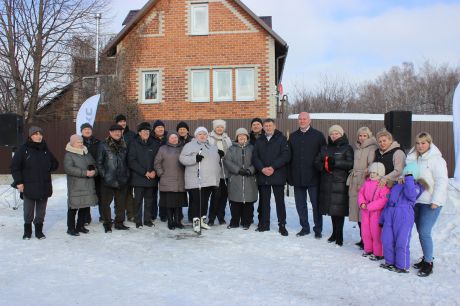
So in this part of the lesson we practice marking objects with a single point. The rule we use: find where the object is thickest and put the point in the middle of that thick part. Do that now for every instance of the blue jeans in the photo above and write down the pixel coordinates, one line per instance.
(425, 218)
(300, 195)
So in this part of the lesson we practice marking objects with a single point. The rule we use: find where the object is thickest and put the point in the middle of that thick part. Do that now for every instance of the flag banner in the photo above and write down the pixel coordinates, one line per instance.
(87, 112)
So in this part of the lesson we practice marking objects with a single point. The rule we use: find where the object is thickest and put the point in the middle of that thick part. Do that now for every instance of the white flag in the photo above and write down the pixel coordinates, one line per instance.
(456, 123)
(87, 112)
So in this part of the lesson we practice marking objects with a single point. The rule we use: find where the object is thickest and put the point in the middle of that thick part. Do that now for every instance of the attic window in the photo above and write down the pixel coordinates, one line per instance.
(199, 21)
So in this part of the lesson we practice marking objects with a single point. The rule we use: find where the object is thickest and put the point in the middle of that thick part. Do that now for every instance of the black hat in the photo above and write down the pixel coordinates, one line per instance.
(85, 125)
(144, 126)
(158, 123)
(119, 118)
(116, 127)
(182, 124)
(256, 120)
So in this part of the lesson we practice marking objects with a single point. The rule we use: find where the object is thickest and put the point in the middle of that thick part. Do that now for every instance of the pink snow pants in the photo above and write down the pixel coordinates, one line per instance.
(371, 232)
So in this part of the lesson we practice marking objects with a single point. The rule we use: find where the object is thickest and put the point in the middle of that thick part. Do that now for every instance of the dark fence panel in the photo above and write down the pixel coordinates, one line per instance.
(57, 134)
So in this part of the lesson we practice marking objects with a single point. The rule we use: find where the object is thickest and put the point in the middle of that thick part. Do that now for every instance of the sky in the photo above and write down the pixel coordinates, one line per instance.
(349, 40)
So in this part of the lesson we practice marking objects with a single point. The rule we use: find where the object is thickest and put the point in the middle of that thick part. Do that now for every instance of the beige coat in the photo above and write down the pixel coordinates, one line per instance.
(364, 156)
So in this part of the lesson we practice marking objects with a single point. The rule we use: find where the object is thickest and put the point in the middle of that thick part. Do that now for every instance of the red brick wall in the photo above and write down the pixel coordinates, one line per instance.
(176, 51)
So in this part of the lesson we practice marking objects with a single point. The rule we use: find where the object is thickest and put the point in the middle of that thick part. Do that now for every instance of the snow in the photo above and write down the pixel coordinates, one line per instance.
(156, 266)
(372, 117)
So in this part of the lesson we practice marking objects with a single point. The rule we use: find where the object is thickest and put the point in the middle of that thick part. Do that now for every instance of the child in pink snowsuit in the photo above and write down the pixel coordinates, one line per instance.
(371, 200)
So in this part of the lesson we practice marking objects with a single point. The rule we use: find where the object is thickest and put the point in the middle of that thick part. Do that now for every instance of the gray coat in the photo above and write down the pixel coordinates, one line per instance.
(169, 169)
(210, 168)
(238, 157)
(214, 139)
(81, 191)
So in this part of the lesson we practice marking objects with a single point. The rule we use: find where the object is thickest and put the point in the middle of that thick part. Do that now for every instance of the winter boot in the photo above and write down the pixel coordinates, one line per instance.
(339, 238)
(203, 224)
(121, 226)
(73, 232)
(39, 231)
(375, 258)
(27, 231)
(107, 227)
(178, 217)
(332, 238)
(196, 225)
(419, 264)
(81, 227)
(426, 269)
(171, 224)
(282, 230)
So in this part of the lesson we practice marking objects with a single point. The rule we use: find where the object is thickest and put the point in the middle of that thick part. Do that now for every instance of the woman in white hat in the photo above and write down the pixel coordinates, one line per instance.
(202, 174)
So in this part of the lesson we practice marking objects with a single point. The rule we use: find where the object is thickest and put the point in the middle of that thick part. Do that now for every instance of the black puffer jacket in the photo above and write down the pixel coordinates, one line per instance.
(333, 191)
(271, 153)
(140, 160)
(32, 166)
(112, 163)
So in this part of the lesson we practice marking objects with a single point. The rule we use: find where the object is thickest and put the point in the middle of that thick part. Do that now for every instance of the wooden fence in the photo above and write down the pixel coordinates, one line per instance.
(57, 134)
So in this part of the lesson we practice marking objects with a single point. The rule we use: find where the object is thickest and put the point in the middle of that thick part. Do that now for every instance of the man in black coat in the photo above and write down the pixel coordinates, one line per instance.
(92, 144)
(113, 168)
(31, 170)
(128, 136)
(159, 136)
(305, 144)
(141, 154)
(270, 158)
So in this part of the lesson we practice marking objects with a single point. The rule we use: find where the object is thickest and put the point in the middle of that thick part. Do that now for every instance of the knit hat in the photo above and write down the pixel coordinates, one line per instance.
(116, 127)
(35, 129)
(336, 128)
(144, 126)
(200, 129)
(119, 118)
(85, 125)
(241, 131)
(256, 120)
(219, 122)
(158, 123)
(182, 124)
(74, 138)
(411, 168)
(378, 168)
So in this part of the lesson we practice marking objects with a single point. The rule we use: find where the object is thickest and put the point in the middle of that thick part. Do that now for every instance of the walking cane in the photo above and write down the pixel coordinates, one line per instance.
(199, 189)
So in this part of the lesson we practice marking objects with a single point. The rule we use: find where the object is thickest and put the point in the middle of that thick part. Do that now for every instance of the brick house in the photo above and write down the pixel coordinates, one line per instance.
(190, 59)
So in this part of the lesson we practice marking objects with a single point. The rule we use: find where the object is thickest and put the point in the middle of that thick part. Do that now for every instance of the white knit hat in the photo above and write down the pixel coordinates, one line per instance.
(336, 128)
(378, 168)
(200, 129)
(219, 122)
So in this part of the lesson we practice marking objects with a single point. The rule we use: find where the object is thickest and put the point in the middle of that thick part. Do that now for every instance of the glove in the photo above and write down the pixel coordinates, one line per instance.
(242, 172)
(221, 153)
(248, 172)
(199, 158)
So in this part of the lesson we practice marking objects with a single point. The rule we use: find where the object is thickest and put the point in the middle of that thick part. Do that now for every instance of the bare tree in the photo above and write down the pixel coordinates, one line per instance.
(34, 46)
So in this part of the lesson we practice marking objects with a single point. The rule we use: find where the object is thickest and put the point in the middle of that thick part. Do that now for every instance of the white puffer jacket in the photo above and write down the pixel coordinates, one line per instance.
(433, 169)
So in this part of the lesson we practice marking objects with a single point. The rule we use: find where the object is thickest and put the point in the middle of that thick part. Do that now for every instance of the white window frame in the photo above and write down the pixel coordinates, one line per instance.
(143, 74)
(245, 98)
(193, 8)
(216, 73)
(193, 97)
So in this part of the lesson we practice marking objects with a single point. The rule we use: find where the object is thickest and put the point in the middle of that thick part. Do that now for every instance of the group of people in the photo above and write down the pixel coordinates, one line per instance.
(373, 183)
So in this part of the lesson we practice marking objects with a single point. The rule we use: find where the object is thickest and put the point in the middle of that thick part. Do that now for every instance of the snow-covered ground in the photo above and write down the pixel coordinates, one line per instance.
(156, 266)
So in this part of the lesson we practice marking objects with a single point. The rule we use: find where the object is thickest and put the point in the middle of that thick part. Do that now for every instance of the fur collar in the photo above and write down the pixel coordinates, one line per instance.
(71, 149)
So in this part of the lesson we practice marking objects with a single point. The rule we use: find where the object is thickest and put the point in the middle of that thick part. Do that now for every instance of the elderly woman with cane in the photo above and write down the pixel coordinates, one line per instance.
(202, 174)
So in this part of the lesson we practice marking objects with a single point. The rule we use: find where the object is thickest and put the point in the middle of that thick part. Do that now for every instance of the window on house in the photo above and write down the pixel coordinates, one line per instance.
(199, 22)
(150, 80)
(222, 84)
(245, 84)
(200, 85)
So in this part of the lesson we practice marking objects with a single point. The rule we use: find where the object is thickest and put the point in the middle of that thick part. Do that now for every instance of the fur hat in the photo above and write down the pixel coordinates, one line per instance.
(119, 118)
(200, 129)
(411, 168)
(35, 129)
(219, 122)
(157, 123)
(116, 127)
(336, 128)
(85, 125)
(74, 138)
(241, 131)
(256, 120)
(378, 168)
(143, 126)
(182, 124)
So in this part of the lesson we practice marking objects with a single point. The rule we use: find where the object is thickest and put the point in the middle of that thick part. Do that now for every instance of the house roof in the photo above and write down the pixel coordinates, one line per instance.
(135, 16)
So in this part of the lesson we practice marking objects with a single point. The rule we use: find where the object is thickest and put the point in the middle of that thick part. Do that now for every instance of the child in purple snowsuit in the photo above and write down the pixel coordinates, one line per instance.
(398, 219)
